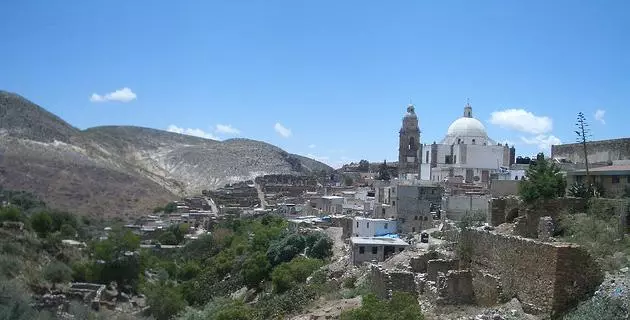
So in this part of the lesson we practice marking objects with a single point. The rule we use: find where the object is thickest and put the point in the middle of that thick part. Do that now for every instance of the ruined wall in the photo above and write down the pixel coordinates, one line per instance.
(545, 277)
(506, 209)
(440, 266)
(344, 223)
(455, 287)
(419, 263)
(385, 282)
(503, 188)
(457, 206)
(598, 151)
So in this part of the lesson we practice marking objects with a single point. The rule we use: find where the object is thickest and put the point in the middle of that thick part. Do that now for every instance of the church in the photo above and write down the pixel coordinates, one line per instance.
(465, 154)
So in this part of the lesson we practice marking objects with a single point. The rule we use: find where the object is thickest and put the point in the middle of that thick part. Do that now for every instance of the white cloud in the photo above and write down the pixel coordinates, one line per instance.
(226, 129)
(599, 115)
(318, 158)
(521, 120)
(544, 142)
(121, 95)
(311, 146)
(282, 130)
(191, 132)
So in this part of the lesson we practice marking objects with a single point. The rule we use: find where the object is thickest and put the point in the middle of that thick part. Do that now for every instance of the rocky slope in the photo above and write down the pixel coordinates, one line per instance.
(122, 170)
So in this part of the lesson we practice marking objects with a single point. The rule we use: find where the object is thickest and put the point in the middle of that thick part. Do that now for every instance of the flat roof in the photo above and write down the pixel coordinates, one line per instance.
(378, 241)
(607, 170)
(374, 219)
(332, 197)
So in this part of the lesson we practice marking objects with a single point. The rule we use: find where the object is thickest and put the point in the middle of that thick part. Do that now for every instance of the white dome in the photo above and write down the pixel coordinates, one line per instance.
(467, 127)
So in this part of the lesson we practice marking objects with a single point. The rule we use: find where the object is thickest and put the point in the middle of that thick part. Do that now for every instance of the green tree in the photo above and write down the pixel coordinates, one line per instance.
(319, 246)
(170, 207)
(255, 269)
(348, 181)
(289, 274)
(543, 181)
(165, 300)
(167, 238)
(42, 223)
(11, 213)
(57, 272)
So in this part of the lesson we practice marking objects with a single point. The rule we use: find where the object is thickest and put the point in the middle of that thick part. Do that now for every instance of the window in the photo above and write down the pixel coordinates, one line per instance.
(455, 159)
(385, 226)
(515, 177)
(473, 141)
(432, 191)
(374, 250)
(412, 143)
(415, 218)
(361, 250)
(383, 210)
(413, 229)
(368, 224)
(357, 224)
(578, 179)
(426, 218)
(615, 179)
(393, 203)
(427, 157)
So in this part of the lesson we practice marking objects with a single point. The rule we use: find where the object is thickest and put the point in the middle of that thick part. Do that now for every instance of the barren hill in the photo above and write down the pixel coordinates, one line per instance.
(119, 169)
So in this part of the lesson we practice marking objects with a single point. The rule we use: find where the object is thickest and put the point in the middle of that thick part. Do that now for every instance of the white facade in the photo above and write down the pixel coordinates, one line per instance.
(367, 227)
(465, 151)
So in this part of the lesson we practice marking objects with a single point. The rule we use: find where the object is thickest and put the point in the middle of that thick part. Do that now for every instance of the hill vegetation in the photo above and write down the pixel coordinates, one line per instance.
(120, 170)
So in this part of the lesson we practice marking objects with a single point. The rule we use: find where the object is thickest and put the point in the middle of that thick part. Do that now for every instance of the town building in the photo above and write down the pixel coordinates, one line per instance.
(368, 249)
(369, 227)
(409, 202)
(599, 152)
(615, 179)
(466, 151)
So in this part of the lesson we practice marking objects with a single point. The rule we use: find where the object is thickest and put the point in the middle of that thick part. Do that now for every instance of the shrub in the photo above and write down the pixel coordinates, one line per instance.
(11, 213)
(165, 300)
(400, 306)
(321, 248)
(349, 282)
(167, 238)
(287, 275)
(57, 272)
(255, 269)
(42, 223)
(10, 266)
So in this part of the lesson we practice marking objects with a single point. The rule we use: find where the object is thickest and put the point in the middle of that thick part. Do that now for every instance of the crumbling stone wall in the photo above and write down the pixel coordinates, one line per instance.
(384, 282)
(487, 289)
(345, 223)
(455, 287)
(419, 263)
(506, 209)
(546, 277)
(440, 266)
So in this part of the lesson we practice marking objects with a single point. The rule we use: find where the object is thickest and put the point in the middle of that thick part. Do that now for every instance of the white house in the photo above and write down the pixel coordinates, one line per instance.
(367, 227)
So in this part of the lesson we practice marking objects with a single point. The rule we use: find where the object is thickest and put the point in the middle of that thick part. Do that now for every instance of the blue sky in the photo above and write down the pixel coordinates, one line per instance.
(330, 79)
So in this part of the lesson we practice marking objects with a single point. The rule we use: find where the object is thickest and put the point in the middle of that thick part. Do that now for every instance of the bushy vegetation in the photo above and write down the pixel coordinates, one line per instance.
(543, 181)
(599, 233)
(194, 282)
(400, 306)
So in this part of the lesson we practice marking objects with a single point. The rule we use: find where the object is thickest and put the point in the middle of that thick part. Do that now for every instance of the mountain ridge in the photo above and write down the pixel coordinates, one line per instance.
(123, 169)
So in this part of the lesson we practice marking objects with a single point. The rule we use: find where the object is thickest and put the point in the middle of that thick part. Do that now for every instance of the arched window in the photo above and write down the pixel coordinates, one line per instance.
(473, 141)
(515, 177)
(412, 143)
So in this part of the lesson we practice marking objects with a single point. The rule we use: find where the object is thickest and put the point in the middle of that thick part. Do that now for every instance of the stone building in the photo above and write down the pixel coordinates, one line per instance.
(409, 145)
(367, 249)
(409, 202)
(599, 152)
(615, 179)
(466, 152)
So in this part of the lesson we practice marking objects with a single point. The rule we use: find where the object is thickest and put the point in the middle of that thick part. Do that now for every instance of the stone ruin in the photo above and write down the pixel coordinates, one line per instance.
(547, 278)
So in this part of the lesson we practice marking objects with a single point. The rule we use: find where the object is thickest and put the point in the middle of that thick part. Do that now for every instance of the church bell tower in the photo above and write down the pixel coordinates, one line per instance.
(409, 145)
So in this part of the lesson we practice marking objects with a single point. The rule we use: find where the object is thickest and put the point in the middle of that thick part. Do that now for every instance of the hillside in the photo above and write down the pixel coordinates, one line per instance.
(114, 170)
